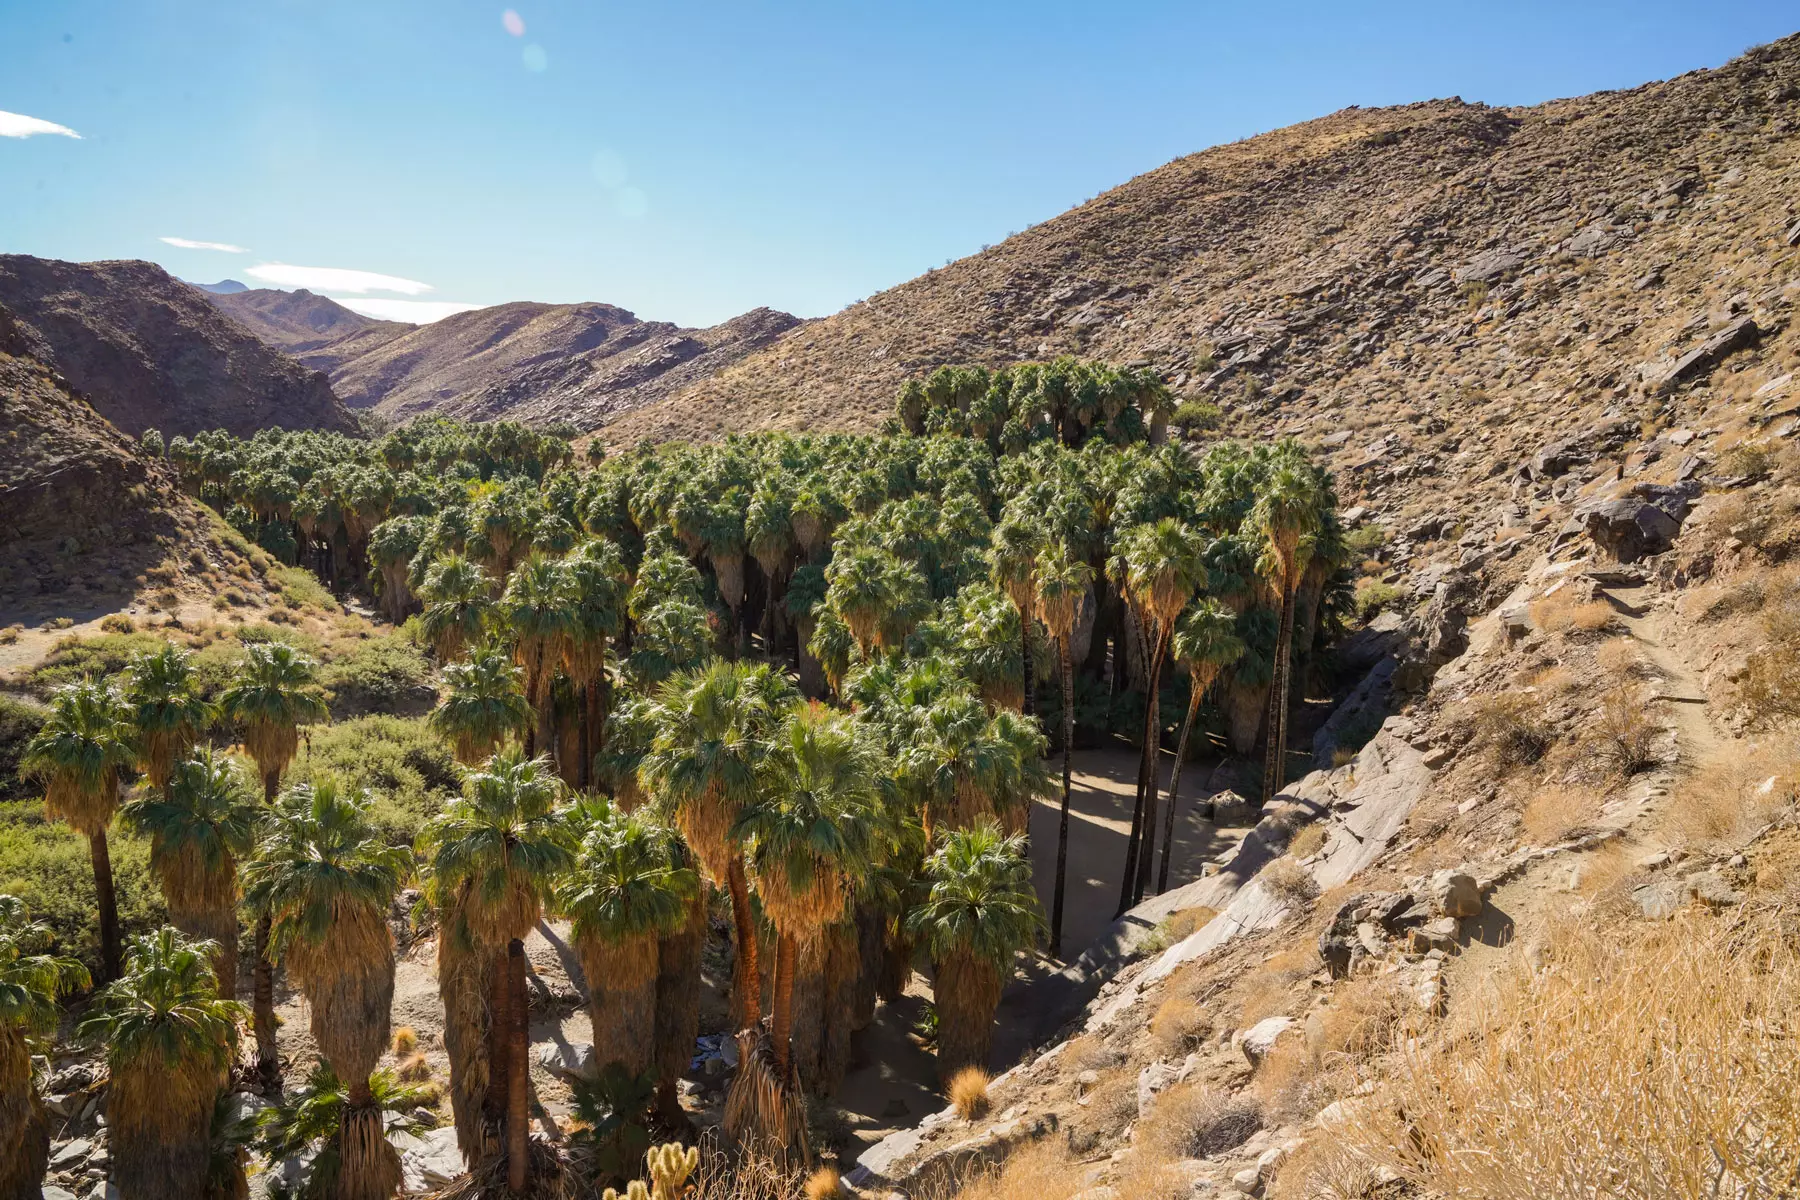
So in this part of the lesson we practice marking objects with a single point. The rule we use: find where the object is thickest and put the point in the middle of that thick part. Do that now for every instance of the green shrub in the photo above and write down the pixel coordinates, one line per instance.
(1365, 540)
(76, 658)
(19, 720)
(299, 586)
(406, 766)
(1372, 595)
(45, 864)
(1197, 416)
(384, 674)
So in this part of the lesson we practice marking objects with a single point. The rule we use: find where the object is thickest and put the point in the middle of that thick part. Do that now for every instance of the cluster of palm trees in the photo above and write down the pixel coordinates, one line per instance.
(801, 671)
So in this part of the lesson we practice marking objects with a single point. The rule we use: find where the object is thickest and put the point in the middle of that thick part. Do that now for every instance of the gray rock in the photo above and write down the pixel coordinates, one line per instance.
(69, 1154)
(1456, 894)
(52, 1192)
(1438, 934)
(429, 1161)
(570, 1061)
(1489, 265)
(1153, 1080)
(1629, 529)
(1229, 808)
(1257, 1041)
(1660, 899)
(1597, 239)
(1712, 889)
(1700, 361)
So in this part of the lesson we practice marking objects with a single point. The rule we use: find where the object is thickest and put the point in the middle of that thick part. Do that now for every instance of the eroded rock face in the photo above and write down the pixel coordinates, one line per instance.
(1628, 529)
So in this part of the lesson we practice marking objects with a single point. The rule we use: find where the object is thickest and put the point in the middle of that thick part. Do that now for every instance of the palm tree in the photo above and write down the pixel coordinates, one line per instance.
(458, 598)
(537, 611)
(596, 575)
(979, 912)
(627, 891)
(84, 745)
(273, 694)
(954, 761)
(30, 982)
(1289, 509)
(495, 856)
(1062, 585)
(482, 705)
(308, 1124)
(713, 728)
(170, 1041)
(1158, 567)
(169, 715)
(809, 831)
(200, 827)
(327, 881)
(1012, 562)
(1205, 642)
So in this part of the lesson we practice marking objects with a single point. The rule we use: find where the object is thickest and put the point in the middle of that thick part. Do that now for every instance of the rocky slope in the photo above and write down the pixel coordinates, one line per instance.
(149, 352)
(317, 330)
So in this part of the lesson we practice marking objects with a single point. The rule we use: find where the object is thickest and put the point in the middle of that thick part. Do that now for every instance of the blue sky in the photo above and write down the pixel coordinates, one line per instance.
(691, 160)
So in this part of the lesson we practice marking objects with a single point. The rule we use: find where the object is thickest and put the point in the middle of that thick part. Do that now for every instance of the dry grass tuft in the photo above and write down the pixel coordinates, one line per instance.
(406, 1040)
(1308, 842)
(1323, 1169)
(823, 1184)
(1511, 727)
(1289, 882)
(1654, 1063)
(1620, 658)
(1563, 613)
(1720, 805)
(1266, 992)
(1181, 1023)
(1622, 741)
(1043, 1171)
(413, 1068)
(1197, 1121)
(1555, 812)
(968, 1093)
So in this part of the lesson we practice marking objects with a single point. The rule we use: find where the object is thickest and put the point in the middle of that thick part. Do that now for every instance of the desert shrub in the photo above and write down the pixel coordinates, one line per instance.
(1770, 688)
(1553, 813)
(10, 635)
(1308, 842)
(299, 586)
(1289, 882)
(19, 721)
(1623, 739)
(1110, 1107)
(1372, 596)
(406, 766)
(1197, 416)
(1727, 799)
(1268, 990)
(1043, 1171)
(45, 864)
(1563, 613)
(1620, 658)
(968, 1093)
(1650, 1060)
(382, 674)
(76, 658)
(1747, 459)
(118, 623)
(1321, 1169)
(1512, 728)
(1197, 1121)
(1365, 541)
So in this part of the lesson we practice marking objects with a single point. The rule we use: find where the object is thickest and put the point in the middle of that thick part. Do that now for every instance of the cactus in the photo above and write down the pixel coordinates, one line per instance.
(670, 1167)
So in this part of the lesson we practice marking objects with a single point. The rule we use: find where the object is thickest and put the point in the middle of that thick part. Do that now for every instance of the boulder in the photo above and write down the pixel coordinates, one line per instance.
(1437, 934)
(429, 1161)
(1257, 1041)
(1231, 809)
(1700, 361)
(70, 1154)
(1456, 894)
(1713, 890)
(1629, 529)
(52, 1192)
(1490, 265)
(569, 1060)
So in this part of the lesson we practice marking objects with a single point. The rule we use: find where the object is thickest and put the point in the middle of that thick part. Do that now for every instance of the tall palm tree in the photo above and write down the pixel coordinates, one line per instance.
(808, 832)
(1012, 563)
(713, 728)
(170, 716)
(626, 892)
(200, 827)
(537, 613)
(1158, 568)
(979, 912)
(1205, 642)
(78, 754)
(170, 1041)
(1289, 509)
(953, 759)
(274, 693)
(598, 579)
(495, 856)
(1062, 585)
(31, 980)
(327, 880)
(483, 704)
(459, 602)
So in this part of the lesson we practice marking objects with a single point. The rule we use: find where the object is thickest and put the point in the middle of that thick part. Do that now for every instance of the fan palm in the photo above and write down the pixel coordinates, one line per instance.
(1205, 642)
(327, 881)
(494, 856)
(308, 1124)
(954, 762)
(458, 598)
(31, 980)
(170, 1041)
(713, 729)
(1012, 563)
(483, 704)
(1290, 507)
(537, 611)
(78, 754)
(627, 891)
(169, 715)
(200, 827)
(979, 912)
(1062, 585)
(273, 694)
(597, 576)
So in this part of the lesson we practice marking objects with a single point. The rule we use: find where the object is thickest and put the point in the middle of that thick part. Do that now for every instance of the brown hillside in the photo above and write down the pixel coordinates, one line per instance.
(149, 352)
(317, 330)
(1460, 282)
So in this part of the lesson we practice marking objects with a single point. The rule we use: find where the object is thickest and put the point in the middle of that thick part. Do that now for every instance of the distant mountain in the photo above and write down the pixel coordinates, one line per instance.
(150, 352)
(315, 329)
(225, 287)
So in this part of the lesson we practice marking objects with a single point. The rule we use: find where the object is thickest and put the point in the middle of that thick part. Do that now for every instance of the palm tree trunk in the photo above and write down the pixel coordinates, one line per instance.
(1187, 725)
(1128, 879)
(585, 768)
(745, 922)
(967, 991)
(781, 1027)
(1027, 705)
(678, 962)
(100, 855)
(24, 1123)
(896, 960)
(1152, 754)
(262, 1011)
(1273, 765)
(621, 984)
(1062, 830)
(499, 1041)
(1287, 687)
(518, 1082)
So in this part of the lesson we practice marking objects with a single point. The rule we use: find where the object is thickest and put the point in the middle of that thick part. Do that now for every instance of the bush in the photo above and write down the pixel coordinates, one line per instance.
(1556, 812)
(1197, 1121)
(77, 658)
(406, 766)
(1624, 737)
(1197, 416)
(19, 722)
(1511, 726)
(1365, 541)
(299, 586)
(1289, 882)
(968, 1092)
(1372, 596)
(384, 674)
(45, 864)
(118, 623)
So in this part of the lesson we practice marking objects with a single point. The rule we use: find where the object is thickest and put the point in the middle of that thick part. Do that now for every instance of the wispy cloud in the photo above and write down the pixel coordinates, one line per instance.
(191, 244)
(414, 312)
(18, 125)
(335, 279)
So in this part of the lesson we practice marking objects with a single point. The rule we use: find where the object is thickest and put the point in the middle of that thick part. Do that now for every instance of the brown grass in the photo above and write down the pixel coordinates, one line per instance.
(1729, 798)
(1181, 1023)
(1511, 727)
(1563, 613)
(1554, 812)
(1308, 842)
(1289, 882)
(1044, 1171)
(1657, 1061)
(1198, 1121)
(1620, 658)
(823, 1184)
(1267, 991)
(406, 1040)
(1622, 740)
(968, 1093)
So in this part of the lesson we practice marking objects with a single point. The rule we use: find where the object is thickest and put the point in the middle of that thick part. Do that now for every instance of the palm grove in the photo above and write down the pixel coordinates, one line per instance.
(821, 678)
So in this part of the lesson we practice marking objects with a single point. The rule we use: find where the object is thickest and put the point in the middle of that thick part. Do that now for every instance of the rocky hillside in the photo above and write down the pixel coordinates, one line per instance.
(149, 352)
(317, 330)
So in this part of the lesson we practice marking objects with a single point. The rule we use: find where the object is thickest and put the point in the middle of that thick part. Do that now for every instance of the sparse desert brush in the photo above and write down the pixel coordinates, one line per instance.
(1181, 1023)
(1653, 1060)
(1553, 812)
(968, 1093)
(1770, 689)
(1512, 728)
(1268, 990)
(1728, 798)
(1323, 1169)
(1365, 1016)
(1551, 681)
(406, 1040)
(1308, 842)
(1622, 739)
(1289, 882)
(1198, 1121)
(1373, 596)
(118, 623)
(1620, 658)
(1563, 613)
(413, 1067)
(1042, 1171)
(823, 1184)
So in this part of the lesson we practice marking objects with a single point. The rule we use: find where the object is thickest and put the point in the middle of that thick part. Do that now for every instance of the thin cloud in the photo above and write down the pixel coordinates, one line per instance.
(413, 312)
(18, 125)
(335, 279)
(191, 244)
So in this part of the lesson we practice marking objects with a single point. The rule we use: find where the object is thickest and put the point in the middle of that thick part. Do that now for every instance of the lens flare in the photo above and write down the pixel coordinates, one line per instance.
(513, 23)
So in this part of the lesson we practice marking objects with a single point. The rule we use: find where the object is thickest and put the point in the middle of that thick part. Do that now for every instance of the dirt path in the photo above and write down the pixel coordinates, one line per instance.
(1679, 692)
